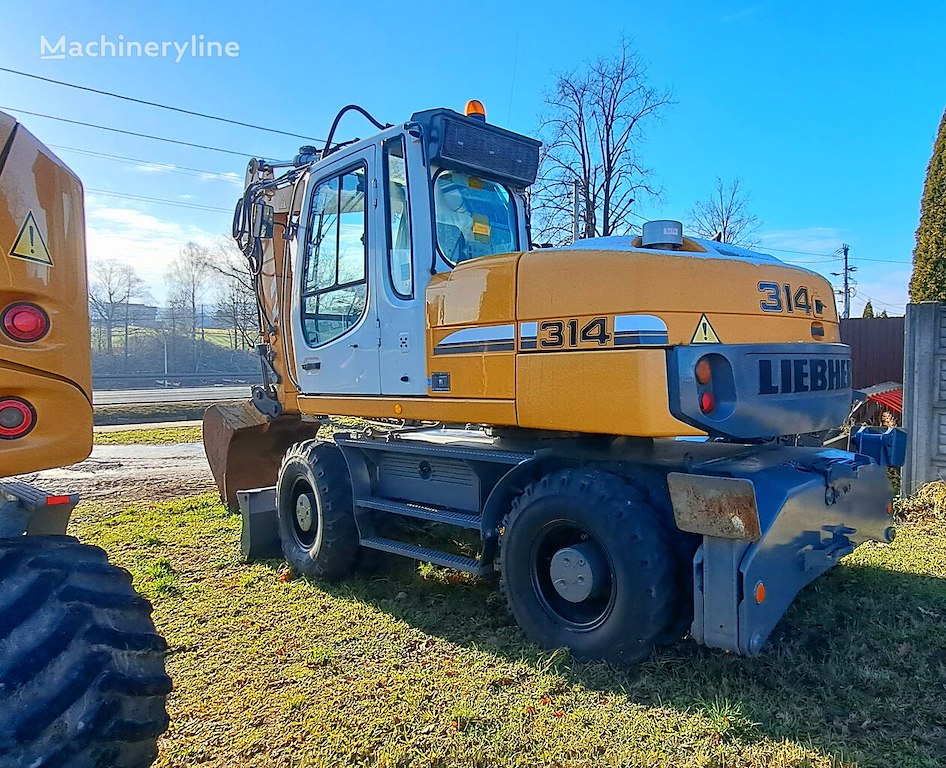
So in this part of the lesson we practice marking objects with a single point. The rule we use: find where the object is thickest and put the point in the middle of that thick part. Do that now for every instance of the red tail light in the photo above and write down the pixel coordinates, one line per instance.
(17, 418)
(707, 402)
(25, 322)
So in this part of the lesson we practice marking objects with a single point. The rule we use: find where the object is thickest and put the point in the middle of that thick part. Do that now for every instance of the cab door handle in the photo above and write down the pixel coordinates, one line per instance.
(311, 364)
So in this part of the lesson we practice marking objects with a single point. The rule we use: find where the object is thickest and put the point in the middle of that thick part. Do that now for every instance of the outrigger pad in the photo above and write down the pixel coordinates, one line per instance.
(245, 450)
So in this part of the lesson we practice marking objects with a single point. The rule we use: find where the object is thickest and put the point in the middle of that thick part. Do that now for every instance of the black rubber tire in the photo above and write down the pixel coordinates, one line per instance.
(628, 529)
(82, 678)
(330, 549)
(653, 485)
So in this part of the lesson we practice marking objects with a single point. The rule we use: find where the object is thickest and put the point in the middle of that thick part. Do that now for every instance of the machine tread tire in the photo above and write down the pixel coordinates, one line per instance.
(653, 484)
(82, 677)
(336, 548)
(628, 526)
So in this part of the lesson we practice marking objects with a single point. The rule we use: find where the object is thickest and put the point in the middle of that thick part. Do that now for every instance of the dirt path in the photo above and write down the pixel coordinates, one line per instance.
(132, 472)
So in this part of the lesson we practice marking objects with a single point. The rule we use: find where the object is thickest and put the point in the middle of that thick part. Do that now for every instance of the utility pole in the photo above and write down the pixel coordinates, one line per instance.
(845, 275)
(847, 291)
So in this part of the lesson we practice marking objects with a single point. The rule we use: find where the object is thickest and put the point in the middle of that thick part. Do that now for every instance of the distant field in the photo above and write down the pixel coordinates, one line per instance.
(167, 436)
(218, 336)
(144, 414)
(422, 667)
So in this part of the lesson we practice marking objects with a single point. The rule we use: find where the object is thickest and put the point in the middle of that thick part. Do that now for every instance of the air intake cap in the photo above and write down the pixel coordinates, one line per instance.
(664, 233)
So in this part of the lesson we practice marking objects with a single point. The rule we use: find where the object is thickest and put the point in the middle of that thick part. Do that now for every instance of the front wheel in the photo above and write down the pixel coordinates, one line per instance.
(586, 563)
(82, 680)
(314, 505)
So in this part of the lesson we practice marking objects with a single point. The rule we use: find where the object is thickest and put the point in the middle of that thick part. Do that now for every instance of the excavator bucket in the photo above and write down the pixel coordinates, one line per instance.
(244, 449)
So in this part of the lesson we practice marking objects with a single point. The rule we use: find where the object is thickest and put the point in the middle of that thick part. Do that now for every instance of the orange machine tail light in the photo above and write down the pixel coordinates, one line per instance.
(24, 322)
(17, 418)
(703, 371)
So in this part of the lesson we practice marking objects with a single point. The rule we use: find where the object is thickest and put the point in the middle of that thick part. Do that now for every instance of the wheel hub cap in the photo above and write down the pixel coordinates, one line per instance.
(577, 572)
(304, 512)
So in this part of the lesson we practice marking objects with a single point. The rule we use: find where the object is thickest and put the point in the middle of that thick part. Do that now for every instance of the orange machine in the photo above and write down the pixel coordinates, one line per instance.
(617, 420)
(45, 374)
(82, 678)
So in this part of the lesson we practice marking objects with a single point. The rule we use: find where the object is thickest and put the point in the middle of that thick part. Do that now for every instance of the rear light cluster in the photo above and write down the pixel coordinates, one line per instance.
(24, 323)
(17, 418)
(704, 380)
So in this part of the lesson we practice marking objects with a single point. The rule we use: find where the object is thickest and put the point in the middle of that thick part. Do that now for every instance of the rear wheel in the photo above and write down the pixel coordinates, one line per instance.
(586, 563)
(653, 486)
(315, 510)
(82, 679)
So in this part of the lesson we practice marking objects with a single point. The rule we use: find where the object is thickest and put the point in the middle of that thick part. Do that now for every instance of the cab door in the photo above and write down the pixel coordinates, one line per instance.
(335, 323)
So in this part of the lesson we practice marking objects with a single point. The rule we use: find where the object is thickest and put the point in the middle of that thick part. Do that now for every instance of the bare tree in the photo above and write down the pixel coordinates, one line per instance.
(593, 129)
(235, 306)
(112, 286)
(227, 261)
(188, 284)
(235, 310)
(725, 215)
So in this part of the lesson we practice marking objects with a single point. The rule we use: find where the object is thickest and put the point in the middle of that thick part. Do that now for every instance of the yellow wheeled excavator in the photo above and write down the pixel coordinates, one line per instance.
(613, 423)
(82, 678)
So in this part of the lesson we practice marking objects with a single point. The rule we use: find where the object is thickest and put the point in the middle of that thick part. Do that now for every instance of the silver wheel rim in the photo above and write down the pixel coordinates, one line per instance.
(304, 512)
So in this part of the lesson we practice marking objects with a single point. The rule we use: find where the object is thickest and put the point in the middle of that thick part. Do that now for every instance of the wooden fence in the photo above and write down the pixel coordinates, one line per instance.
(876, 349)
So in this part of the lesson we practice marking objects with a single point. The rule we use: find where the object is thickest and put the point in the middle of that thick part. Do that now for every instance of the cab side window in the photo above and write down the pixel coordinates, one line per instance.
(334, 285)
(400, 265)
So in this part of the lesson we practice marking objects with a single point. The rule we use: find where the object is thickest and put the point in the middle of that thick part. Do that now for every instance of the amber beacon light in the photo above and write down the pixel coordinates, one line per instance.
(476, 110)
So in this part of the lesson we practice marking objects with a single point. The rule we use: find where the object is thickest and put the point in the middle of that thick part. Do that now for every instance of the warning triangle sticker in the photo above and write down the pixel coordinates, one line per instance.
(704, 333)
(30, 245)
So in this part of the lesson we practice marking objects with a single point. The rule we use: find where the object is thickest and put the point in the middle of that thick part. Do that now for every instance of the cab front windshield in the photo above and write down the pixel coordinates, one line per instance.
(475, 217)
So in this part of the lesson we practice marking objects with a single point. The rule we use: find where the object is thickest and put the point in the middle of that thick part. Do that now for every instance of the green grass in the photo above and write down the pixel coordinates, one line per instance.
(421, 667)
(164, 436)
(144, 414)
(172, 435)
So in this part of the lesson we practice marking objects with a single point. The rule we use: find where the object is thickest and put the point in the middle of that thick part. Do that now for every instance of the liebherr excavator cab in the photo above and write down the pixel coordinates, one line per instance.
(611, 422)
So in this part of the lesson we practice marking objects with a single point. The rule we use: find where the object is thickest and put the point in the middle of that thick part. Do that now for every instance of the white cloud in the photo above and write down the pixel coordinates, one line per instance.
(817, 240)
(152, 168)
(145, 241)
(228, 177)
(232, 178)
(887, 289)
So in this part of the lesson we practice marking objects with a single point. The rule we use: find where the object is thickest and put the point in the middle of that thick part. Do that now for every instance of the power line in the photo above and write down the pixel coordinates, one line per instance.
(159, 200)
(170, 167)
(826, 256)
(808, 261)
(130, 133)
(159, 106)
(884, 261)
(880, 301)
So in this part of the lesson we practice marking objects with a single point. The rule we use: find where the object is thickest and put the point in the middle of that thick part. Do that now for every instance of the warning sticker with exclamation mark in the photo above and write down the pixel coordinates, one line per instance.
(704, 333)
(30, 244)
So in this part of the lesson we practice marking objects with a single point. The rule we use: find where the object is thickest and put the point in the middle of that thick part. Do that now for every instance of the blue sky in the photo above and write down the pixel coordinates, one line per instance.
(826, 111)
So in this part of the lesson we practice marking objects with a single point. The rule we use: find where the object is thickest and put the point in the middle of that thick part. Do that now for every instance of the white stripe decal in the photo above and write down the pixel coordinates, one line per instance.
(639, 324)
(528, 330)
(480, 335)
